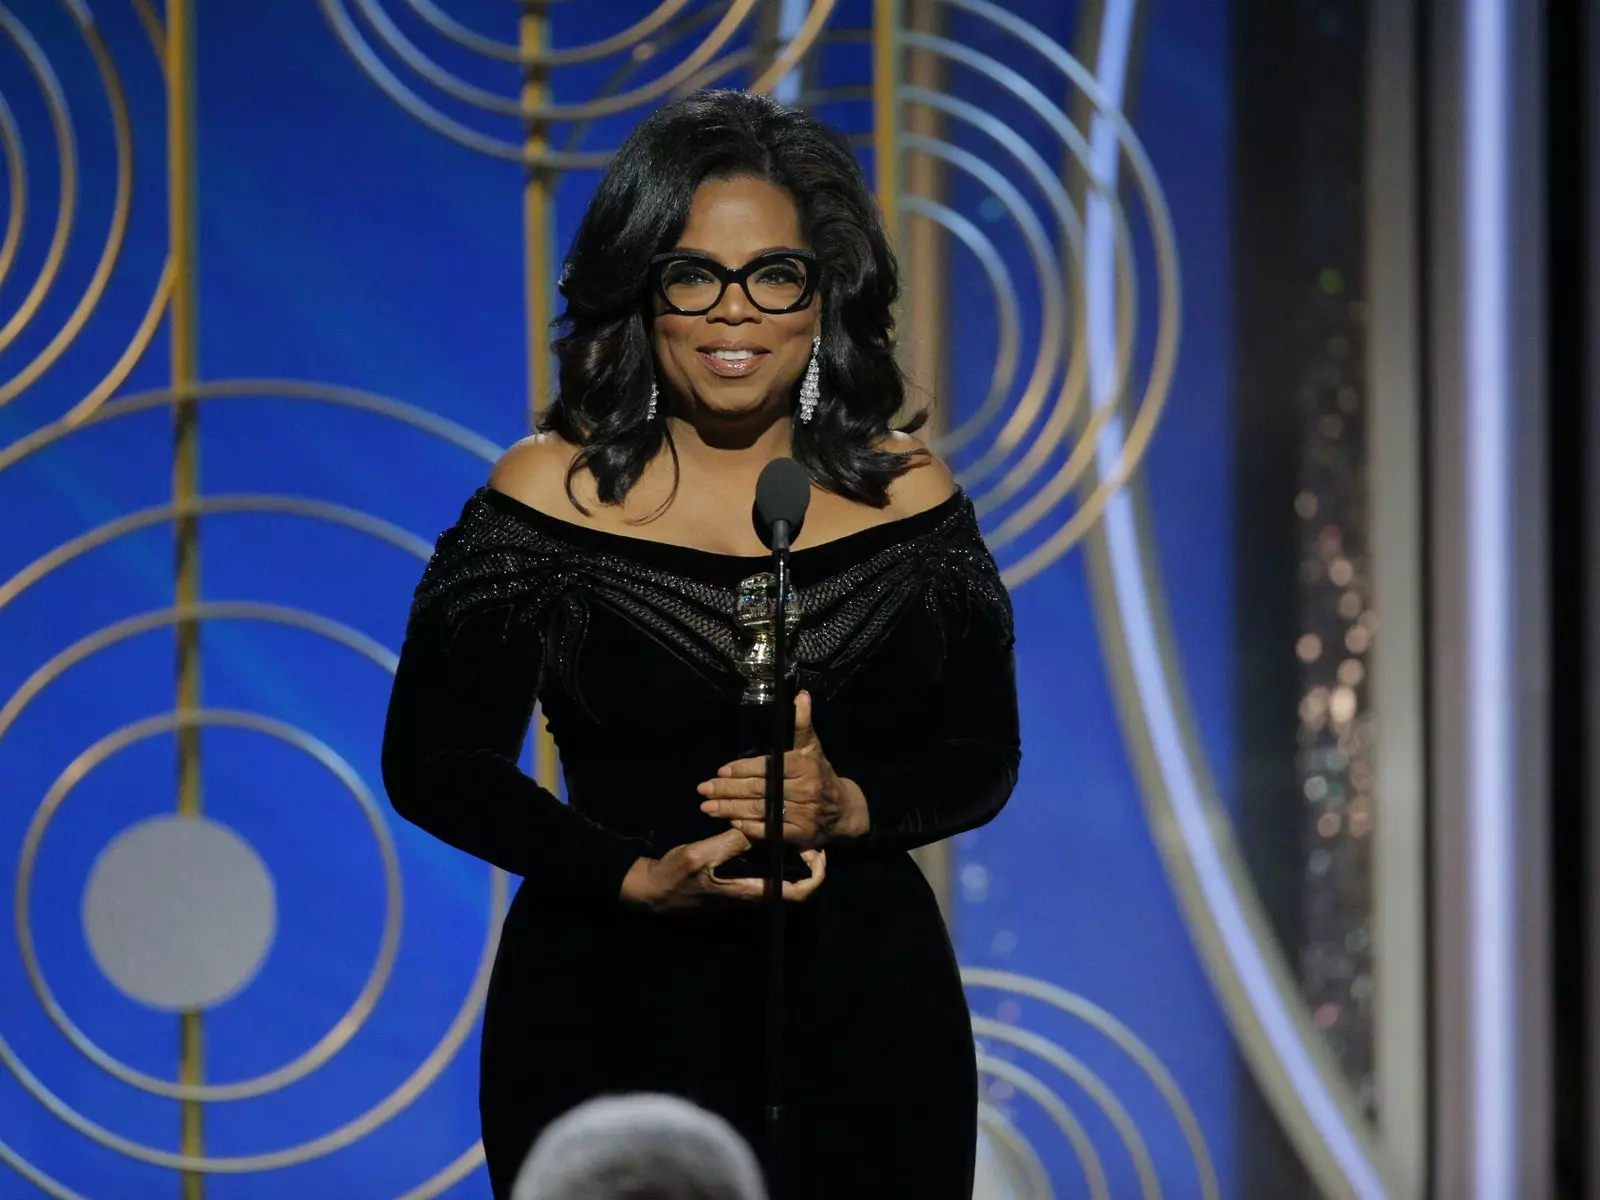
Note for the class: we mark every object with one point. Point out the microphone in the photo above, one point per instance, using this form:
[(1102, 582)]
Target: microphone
[(783, 493)]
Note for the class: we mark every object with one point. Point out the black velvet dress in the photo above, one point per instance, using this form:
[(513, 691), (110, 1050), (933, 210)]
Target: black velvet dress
[(630, 645)]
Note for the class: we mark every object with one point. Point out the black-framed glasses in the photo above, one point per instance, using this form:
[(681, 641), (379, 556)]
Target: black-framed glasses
[(691, 285)]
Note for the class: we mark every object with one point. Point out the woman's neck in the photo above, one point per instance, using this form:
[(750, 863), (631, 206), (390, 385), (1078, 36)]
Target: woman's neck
[(727, 448)]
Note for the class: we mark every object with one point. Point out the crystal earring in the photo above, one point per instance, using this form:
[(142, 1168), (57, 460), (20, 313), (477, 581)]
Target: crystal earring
[(810, 386), (650, 413)]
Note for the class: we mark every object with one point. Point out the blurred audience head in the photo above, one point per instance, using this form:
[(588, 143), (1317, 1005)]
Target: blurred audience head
[(640, 1147)]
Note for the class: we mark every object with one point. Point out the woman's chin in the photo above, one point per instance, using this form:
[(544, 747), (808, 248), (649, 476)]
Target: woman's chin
[(737, 404)]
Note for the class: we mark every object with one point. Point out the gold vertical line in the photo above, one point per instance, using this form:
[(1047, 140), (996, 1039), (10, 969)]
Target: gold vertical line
[(1078, 175), (886, 18), (533, 39), (926, 246), (538, 222), (182, 234), (768, 38)]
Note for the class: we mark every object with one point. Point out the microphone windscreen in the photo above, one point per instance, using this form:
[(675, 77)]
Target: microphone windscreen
[(782, 494)]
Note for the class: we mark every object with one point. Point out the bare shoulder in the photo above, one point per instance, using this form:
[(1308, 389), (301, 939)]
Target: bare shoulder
[(927, 484), (534, 471)]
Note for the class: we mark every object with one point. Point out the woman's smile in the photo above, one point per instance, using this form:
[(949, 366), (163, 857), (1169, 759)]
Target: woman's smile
[(733, 360)]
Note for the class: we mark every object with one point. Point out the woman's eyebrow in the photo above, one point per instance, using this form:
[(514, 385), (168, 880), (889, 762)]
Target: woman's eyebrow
[(695, 250)]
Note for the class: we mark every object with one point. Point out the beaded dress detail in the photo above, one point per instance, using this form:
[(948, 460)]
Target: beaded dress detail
[(495, 557)]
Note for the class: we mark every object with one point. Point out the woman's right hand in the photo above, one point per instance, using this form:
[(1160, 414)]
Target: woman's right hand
[(685, 876)]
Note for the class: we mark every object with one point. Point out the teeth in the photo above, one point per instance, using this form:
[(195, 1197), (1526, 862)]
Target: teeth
[(733, 355)]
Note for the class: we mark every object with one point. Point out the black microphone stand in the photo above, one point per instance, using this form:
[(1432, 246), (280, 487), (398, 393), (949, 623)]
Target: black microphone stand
[(782, 738)]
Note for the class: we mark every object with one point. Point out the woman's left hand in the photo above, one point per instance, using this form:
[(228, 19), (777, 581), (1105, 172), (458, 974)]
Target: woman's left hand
[(818, 805)]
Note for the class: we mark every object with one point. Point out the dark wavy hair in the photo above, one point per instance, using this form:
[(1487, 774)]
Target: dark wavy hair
[(639, 210)]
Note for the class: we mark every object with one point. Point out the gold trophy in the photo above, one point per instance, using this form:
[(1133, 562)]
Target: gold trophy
[(757, 595)]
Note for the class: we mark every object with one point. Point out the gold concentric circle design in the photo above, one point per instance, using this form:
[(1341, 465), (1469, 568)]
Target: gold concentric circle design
[(987, 1030), (67, 189), (1028, 448), (377, 35), (1094, 1170), (16, 187), (637, 34), (351, 1021), (342, 1030), (459, 1028), (257, 389), (352, 1131), (1090, 1083), (1024, 1173)]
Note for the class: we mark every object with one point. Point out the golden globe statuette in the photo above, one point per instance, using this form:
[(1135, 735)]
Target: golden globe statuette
[(756, 602)]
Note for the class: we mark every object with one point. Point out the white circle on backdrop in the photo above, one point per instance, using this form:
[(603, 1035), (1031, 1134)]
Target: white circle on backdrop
[(179, 913)]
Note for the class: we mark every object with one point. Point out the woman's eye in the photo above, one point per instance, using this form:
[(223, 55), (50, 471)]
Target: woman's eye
[(787, 276)]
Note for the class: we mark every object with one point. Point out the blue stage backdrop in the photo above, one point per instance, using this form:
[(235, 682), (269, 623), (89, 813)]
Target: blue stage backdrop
[(363, 329)]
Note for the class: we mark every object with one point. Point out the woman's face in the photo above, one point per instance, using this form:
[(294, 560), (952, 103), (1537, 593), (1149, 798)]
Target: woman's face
[(736, 361)]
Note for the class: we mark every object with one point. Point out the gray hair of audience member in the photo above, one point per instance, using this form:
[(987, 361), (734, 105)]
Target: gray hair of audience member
[(640, 1147)]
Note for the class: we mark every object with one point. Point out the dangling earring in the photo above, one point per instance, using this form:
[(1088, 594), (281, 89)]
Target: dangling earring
[(650, 413), (810, 386)]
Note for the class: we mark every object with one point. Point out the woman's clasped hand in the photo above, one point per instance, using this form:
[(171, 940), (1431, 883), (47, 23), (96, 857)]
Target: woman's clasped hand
[(819, 806), (686, 876)]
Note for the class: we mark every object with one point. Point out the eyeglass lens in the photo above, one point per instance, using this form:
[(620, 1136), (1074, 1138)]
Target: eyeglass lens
[(694, 285)]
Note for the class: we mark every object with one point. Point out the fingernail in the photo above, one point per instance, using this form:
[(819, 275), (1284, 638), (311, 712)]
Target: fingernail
[(708, 806), (724, 772), (704, 789)]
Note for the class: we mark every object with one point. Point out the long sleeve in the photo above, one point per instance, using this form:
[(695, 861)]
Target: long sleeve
[(963, 775), (463, 698)]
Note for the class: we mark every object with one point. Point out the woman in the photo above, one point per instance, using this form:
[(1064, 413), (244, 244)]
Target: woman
[(728, 301)]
